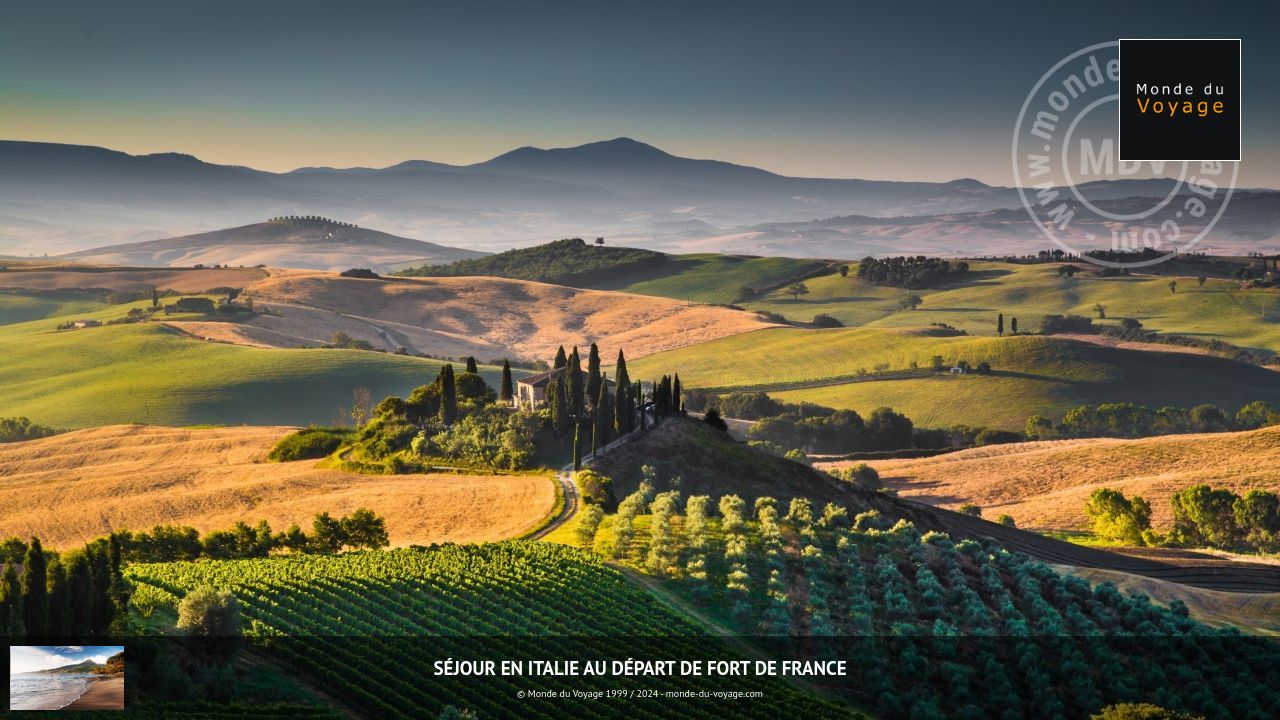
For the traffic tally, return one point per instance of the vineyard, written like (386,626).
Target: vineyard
(933,628)
(369,626)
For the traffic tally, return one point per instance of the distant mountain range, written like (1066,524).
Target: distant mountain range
(316,244)
(65,198)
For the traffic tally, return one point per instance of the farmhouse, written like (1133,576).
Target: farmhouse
(88,323)
(531,390)
(191,304)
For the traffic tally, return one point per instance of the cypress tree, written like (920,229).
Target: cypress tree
(35,591)
(505,390)
(558,405)
(102,604)
(561,361)
(577,446)
(155,298)
(644,417)
(11,603)
(623,410)
(677,401)
(1000,324)
(593,373)
(80,590)
(448,395)
(604,419)
(637,403)
(59,599)
(471,365)
(576,386)
(1013,326)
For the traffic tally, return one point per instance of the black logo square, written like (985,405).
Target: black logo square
(1180,100)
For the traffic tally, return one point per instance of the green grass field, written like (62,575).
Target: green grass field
(710,278)
(24,308)
(1248,318)
(1032,374)
(150,373)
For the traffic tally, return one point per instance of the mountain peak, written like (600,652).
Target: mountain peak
(621,148)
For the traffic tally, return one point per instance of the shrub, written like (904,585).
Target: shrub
(712,418)
(970,509)
(595,489)
(992,436)
(310,444)
(1006,520)
(1051,324)
(823,320)
(862,475)
(1141,711)
(209,613)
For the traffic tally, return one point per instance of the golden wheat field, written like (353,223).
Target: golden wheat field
(481,316)
(73,487)
(1044,485)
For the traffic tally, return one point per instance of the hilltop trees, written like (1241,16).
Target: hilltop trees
(909,272)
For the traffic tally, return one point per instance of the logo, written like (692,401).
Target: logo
(1082,196)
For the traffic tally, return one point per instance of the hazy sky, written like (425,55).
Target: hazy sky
(30,658)
(877,90)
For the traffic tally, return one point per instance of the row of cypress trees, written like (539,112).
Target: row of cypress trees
(47,594)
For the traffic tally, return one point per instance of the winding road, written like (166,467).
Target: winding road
(565,478)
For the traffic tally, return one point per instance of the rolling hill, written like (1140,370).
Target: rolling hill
(80,485)
(1220,308)
(1031,375)
(152,373)
(487,317)
(1044,485)
(311,244)
(705,277)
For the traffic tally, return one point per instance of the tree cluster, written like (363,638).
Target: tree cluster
(914,272)
(362,529)
(80,593)
(1126,420)
(1203,516)
(17,429)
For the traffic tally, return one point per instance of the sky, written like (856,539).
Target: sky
(30,658)
(899,91)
